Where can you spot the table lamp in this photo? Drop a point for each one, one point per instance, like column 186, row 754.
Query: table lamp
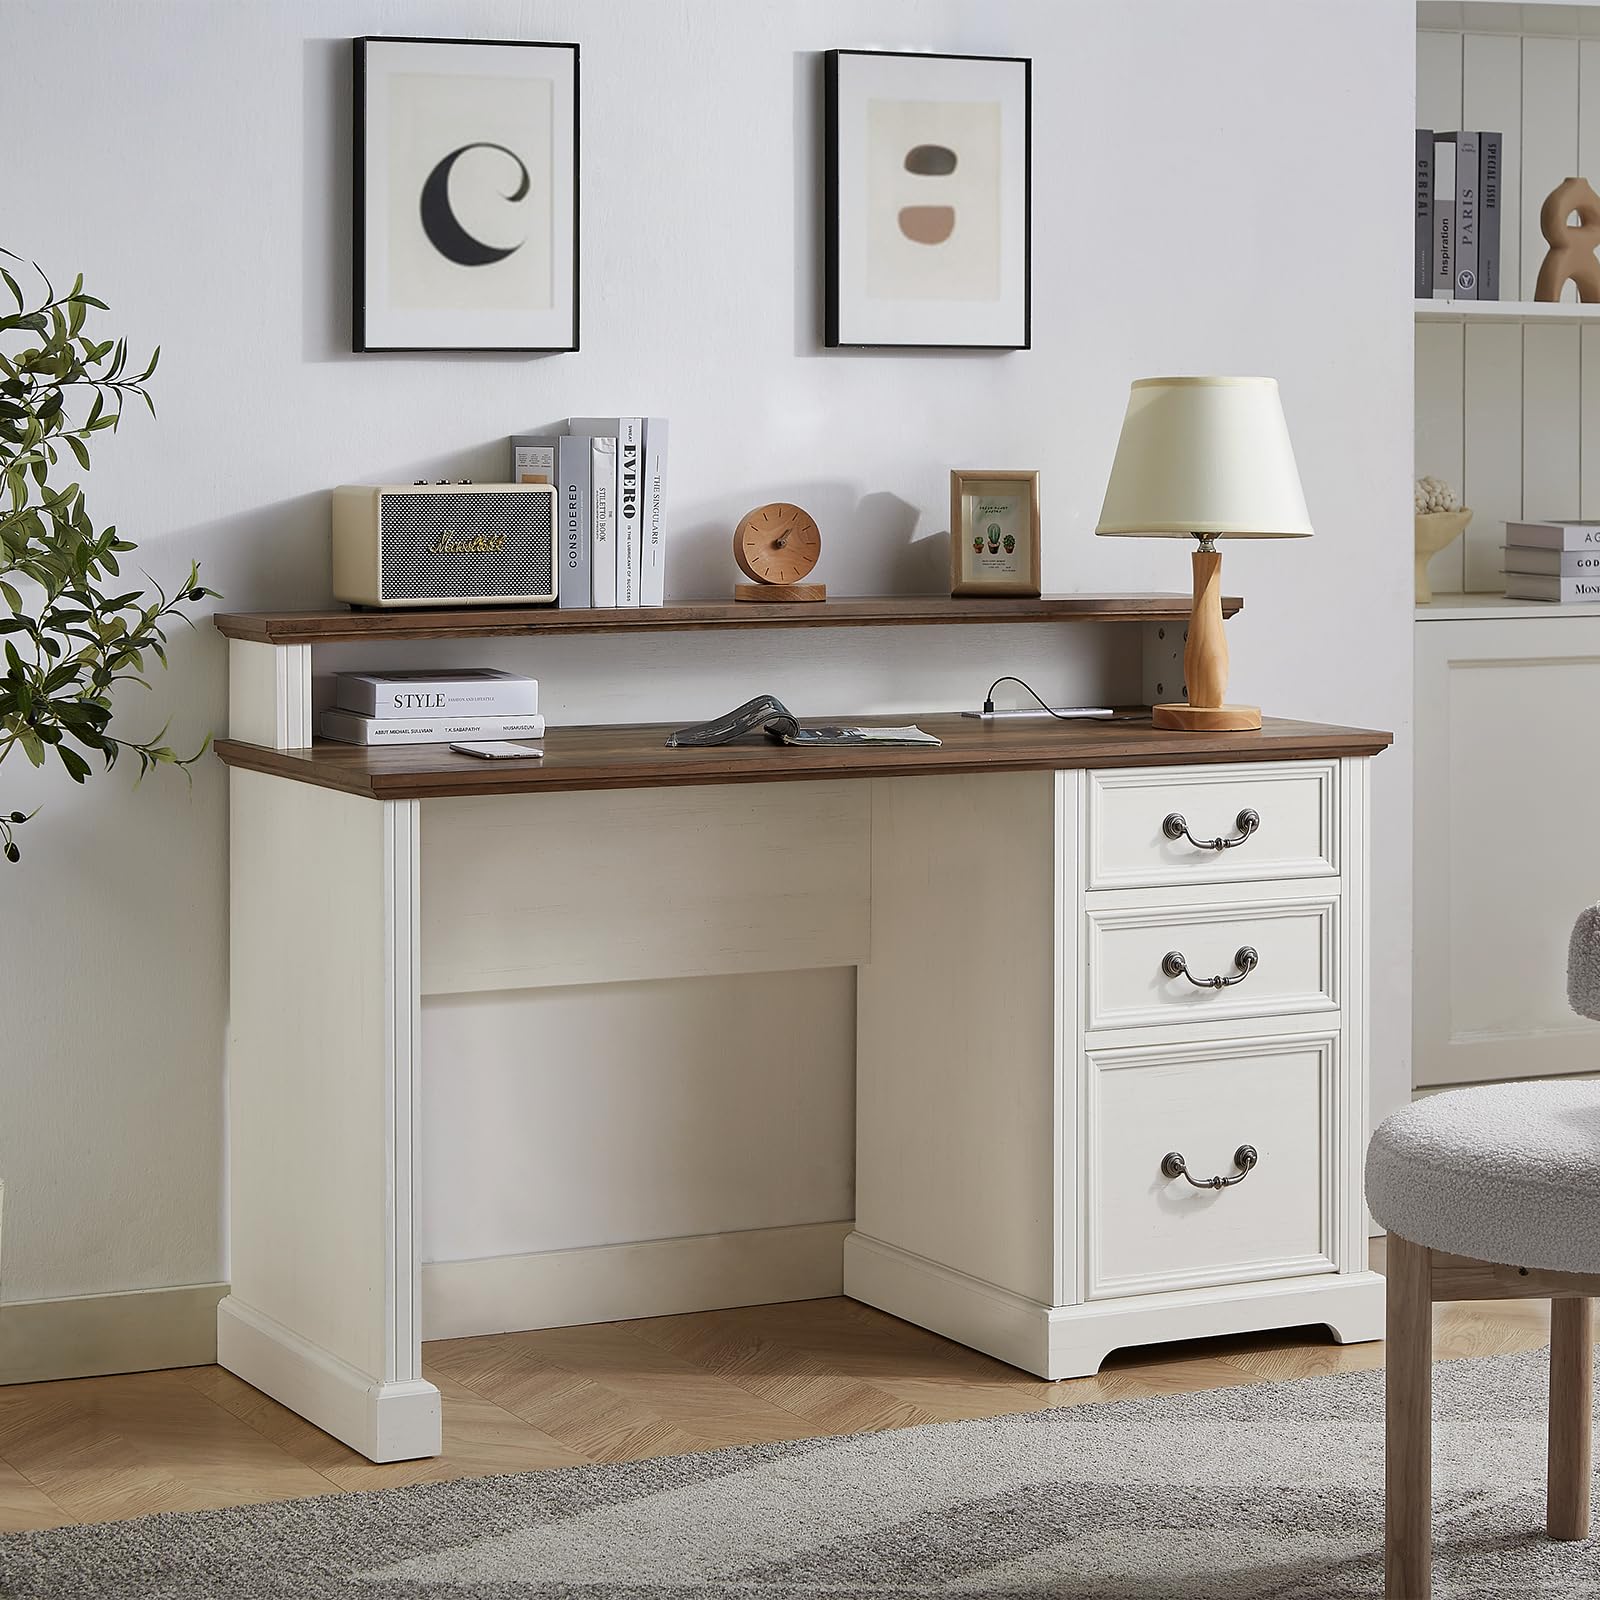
column 1205, row 458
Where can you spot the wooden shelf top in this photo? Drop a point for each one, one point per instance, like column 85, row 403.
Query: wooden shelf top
column 482, row 622
column 636, row 756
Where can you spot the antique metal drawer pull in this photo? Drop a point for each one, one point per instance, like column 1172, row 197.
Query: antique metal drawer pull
column 1246, row 822
column 1244, row 958
column 1244, row 1158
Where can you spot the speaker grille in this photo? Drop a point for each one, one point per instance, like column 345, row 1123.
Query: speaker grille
column 412, row 527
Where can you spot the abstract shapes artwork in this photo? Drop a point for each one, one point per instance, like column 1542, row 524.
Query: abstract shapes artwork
column 466, row 195
column 927, row 167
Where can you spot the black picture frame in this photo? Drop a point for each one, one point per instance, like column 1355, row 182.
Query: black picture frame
column 360, row 342
column 831, row 197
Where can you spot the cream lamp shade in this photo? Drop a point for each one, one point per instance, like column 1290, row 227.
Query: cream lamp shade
column 1207, row 457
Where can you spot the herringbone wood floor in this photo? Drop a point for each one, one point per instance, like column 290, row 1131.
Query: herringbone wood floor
column 94, row 1449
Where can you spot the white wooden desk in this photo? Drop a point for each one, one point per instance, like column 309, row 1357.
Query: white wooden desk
column 1013, row 1112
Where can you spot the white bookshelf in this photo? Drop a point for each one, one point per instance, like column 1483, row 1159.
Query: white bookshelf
column 1508, row 391
column 1506, row 311
column 1496, row 607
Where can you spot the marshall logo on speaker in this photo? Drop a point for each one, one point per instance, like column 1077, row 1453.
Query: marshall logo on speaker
column 445, row 544
column 484, row 544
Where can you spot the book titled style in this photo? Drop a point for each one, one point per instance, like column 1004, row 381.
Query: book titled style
column 435, row 691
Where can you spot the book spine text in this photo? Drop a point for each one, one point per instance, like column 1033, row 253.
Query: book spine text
column 1466, row 262
column 1423, row 178
column 653, row 533
column 573, row 583
column 603, row 519
column 1489, row 154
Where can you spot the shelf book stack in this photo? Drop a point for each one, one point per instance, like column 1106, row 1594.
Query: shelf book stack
column 1554, row 561
column 610, row 477
column 432, row 706
column 1457, row 215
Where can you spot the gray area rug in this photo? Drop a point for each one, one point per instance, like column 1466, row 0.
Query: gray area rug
column 1272, row 1490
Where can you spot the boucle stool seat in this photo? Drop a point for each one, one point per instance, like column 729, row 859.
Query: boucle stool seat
column 1506, row 1173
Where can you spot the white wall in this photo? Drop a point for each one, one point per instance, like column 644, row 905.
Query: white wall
column 1218, row 187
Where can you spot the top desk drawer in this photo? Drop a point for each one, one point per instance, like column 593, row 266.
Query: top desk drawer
column 1130, row 836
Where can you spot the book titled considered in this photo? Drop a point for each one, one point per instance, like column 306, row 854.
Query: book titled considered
column 349, row 727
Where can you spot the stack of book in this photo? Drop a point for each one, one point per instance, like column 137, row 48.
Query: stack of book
column 1458, row 215
column 610, row 475
column 1557, row 561
column 432, row 706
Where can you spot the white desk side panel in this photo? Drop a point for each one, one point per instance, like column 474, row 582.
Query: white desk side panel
column 324, row 1309
column 956, row 1091
column 269, row 694
column 1507, row 769
column 527, row 891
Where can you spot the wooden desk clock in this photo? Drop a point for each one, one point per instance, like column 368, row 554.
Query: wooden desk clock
column 776, row 545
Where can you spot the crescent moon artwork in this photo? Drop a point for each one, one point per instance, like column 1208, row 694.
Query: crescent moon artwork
column 443, row 227
column 465, row 195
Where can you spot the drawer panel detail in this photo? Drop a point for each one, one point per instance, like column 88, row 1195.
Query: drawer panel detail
column 1275, row 819
column 1197, row 1108
column 1149, row 966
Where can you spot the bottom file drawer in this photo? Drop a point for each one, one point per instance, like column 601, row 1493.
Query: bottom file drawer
column 1151, row 1230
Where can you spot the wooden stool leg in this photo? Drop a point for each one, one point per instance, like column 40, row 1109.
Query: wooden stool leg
column 1408, row 1486
column 1571, row 1408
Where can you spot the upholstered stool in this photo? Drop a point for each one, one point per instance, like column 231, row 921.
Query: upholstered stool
column 1487, row 1194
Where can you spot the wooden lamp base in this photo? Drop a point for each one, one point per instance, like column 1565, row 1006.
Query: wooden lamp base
column 779, row 593
column 1205, row 662
column 1205, row 719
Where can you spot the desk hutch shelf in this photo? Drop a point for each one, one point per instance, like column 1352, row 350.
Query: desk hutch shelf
column 270, row 653
column 330, row 627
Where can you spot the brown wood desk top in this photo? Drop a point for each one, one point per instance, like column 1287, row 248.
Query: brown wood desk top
column 636, row 756
column 477, row 622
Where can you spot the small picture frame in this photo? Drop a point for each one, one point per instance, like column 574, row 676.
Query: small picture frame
column 927, row 171
column 466, row 195
column 994, row 533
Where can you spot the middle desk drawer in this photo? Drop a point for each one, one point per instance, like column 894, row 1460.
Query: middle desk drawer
column 1147, row 965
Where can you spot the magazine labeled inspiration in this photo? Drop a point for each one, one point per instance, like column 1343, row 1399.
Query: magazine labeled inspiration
column 776, row 720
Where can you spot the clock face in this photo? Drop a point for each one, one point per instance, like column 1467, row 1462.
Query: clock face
column 777, row 543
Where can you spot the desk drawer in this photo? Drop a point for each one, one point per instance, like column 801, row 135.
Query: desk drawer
column 1132, row 810
column 1150, row 1229
column 1132, row 955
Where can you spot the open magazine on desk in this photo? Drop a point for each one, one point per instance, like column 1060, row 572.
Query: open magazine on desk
column 779, row 723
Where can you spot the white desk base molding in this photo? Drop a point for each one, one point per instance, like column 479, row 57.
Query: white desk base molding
column 1058, row 1342
column 645, row 1278
column 395, row 1421
column 1022, row 1063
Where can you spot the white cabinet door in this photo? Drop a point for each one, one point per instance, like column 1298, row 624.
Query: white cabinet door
column 1506, row 851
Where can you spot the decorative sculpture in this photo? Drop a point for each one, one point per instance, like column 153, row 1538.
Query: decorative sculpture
column 1572, row 249
column 1440, row 517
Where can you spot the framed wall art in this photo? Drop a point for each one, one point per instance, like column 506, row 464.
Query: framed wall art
column 466, row 195
column 994, row 533
column 928, row 173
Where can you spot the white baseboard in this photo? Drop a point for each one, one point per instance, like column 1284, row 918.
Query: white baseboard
column 1071, row 1341
column 650, row 1278
column 88, row 1335
column 384, row 1421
